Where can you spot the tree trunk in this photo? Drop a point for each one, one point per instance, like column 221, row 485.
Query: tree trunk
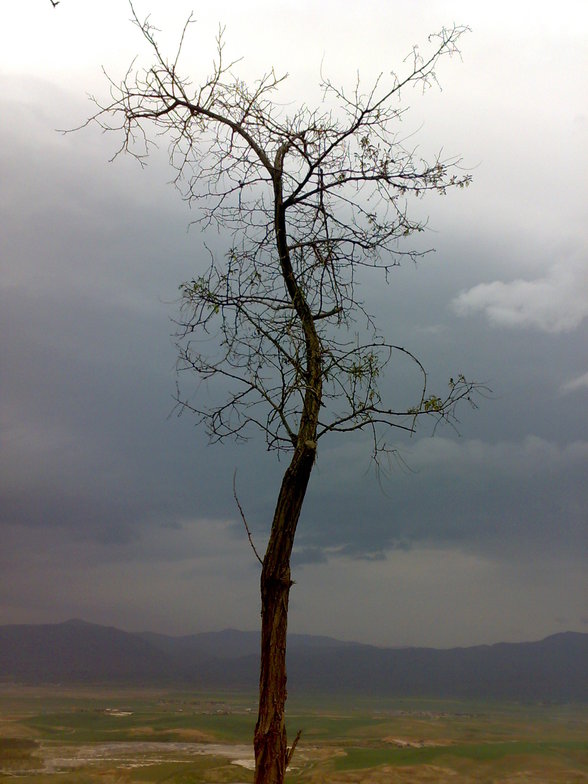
column 270, row 743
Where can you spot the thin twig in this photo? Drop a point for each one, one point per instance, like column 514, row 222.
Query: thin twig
column 243, row 518
column 290, row 751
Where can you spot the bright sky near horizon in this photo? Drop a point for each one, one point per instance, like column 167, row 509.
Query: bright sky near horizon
column 112, row 511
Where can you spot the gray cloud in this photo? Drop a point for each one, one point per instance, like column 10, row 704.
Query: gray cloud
column 511, row 499
column 441, row 594
column 557, row 302
column 576, row 384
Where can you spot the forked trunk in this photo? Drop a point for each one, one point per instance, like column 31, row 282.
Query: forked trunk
column 270, row 743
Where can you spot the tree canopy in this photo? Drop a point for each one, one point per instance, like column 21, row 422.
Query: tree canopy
column 308, row 199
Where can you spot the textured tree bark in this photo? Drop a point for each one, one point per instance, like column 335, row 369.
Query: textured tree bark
column 270, row 742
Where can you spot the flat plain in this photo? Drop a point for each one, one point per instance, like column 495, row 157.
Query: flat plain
column 87, row 735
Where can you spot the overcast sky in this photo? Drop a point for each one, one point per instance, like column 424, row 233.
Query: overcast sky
column 116, row 512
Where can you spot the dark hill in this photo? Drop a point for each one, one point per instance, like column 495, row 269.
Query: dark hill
column 232, row 644
column 555, row 668
column 77, row 652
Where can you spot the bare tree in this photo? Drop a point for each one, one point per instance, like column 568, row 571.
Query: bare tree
column 306, row 199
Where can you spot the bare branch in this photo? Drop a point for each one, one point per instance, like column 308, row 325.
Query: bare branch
column 292, row 749
column 249, row 536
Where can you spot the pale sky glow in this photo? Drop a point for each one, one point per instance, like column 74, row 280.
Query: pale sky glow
column 113, row 511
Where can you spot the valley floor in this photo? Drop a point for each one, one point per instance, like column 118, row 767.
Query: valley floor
column 107, row 735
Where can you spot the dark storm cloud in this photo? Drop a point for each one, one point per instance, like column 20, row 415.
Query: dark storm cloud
column 511, row 500
column 308, row 555
column 88, row 362
column 88, row 443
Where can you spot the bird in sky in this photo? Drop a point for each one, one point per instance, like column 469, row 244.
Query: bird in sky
column 55, row 3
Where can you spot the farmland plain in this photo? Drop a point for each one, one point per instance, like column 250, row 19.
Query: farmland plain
column 64, row 735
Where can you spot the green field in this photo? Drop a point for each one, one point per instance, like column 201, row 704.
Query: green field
column 106, row 735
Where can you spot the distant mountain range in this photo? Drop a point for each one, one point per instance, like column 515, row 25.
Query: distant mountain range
column 553, row 669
